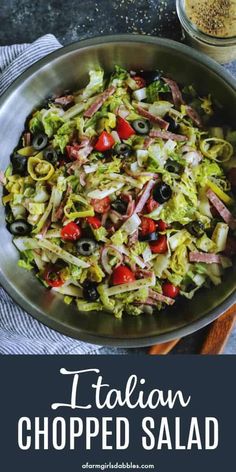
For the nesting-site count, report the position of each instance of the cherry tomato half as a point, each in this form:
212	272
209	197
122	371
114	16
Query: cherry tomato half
122	275
170	290
159	246
71	232
161	225
140	81
151	205
94	222
105	141
123	128
52	276
147	226
102	205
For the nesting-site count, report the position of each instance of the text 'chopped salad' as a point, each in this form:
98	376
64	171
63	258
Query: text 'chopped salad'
121	196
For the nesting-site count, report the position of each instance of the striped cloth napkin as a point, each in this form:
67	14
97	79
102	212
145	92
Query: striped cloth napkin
19	332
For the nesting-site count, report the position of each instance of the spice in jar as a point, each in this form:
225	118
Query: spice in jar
213	17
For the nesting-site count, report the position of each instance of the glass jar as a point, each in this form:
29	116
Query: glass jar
221	49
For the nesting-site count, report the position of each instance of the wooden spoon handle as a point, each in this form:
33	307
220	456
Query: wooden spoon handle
163	348
218	333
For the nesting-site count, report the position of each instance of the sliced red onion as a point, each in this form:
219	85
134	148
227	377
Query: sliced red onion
130	208
115	216
84	141
133	238
104	258
122	249
141	174
139	262
145	196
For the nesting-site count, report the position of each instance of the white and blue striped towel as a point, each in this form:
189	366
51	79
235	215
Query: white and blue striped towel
19	332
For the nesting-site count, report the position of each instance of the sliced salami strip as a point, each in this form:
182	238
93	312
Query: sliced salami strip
155	119
178	100
195	117
204	257
160	298
145	196
175	91
27	139
65	101
99	102
167	135
222	209
148	142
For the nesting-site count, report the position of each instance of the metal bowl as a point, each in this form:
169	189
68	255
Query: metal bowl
67	68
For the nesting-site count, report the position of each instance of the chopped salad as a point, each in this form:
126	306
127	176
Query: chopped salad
120	196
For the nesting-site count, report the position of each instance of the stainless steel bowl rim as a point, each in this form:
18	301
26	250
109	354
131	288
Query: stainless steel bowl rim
33	310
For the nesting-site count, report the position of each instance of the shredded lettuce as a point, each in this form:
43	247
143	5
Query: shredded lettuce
100	234
63	135
177	209
88	306
52	121
119	76
205	244
55	194
27	259
219	236
179	260
35	124
155	88
95	84
207	169
119	237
